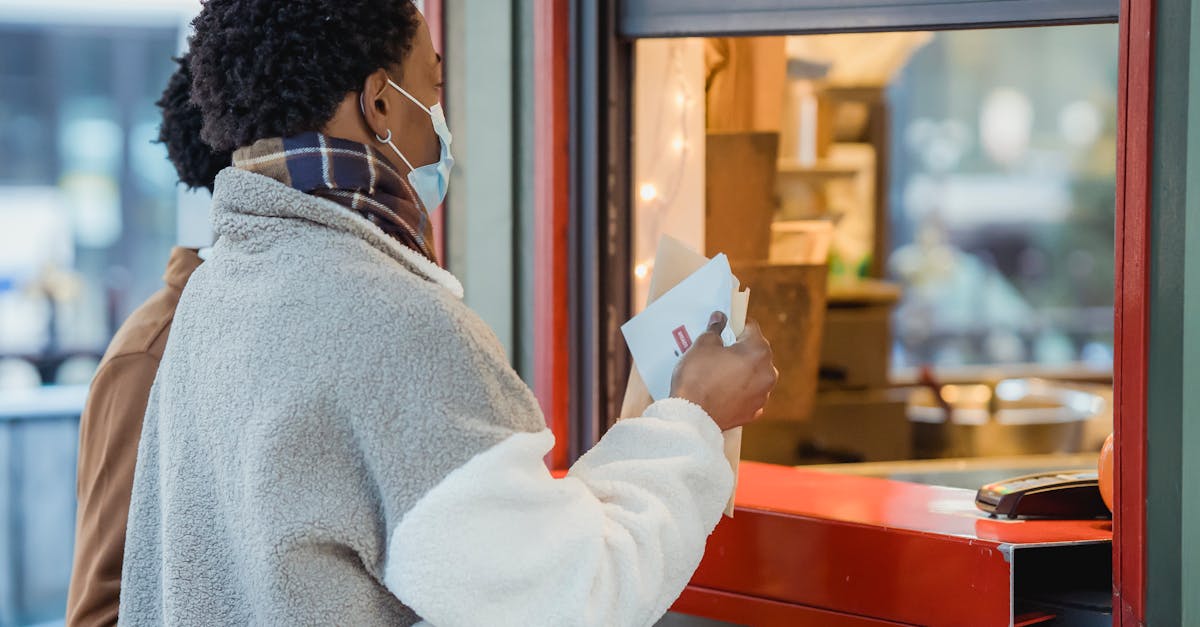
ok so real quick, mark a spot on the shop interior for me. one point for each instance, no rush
(925, 221)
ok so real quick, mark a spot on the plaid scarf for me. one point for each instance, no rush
(350, 174)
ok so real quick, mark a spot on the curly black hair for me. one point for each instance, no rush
(270, 68)
(195, 161)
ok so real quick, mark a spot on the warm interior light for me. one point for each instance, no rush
(641, 271)
(678, 144)
(681, 99)
(648, 192)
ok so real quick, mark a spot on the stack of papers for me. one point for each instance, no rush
(659, 336)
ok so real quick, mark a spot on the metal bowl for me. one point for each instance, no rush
(1012, 417)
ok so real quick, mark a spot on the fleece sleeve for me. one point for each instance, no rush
(501, 542)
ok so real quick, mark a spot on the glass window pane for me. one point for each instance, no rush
(1003, 197)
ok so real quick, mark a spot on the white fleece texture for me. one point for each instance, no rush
(501, 542)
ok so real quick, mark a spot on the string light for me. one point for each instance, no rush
(648, 192)
(666, 164)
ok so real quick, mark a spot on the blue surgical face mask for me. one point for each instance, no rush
(429, 181)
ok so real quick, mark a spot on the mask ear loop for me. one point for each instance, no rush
(409, 96)
(384, 140)
(388, 140)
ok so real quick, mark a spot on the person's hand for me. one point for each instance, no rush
(730, 383)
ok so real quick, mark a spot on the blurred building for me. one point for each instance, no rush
(88, 213)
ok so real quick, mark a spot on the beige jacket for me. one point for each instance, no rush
(108, 437)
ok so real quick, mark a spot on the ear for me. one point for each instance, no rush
(374, 106)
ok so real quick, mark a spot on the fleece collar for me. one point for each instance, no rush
(239, 193)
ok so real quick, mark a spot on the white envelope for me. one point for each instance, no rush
(673, 263)
(660, 335)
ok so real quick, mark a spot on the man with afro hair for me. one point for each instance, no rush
(195, 161)
(111, 423)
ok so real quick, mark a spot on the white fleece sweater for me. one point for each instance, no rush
(335, 438)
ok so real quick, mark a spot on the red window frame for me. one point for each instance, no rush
(551, 252)
(1131, 330)
(552, 141)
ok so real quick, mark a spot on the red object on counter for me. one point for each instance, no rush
(867, 550)
(1104, 472)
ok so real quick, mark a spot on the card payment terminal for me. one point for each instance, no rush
(1068, 495)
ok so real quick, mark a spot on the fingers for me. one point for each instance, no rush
(753, 342)
(716, 322)
(767, 385)
(747, 419)
(752, 334)
(756, 344)
(712, 334)
(751, 329)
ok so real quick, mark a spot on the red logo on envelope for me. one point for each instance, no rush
(682, 339)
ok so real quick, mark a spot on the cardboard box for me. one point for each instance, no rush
(846, 426)
(856, 346)
(740, 194)
(789, 306)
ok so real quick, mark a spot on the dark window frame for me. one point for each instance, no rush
(687, 18)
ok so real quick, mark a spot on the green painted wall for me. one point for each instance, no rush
(480, 218)
(1173, 447)
(489, 75)
(523, 201)
(1190, 522)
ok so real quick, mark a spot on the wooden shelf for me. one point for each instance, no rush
(822, 170)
